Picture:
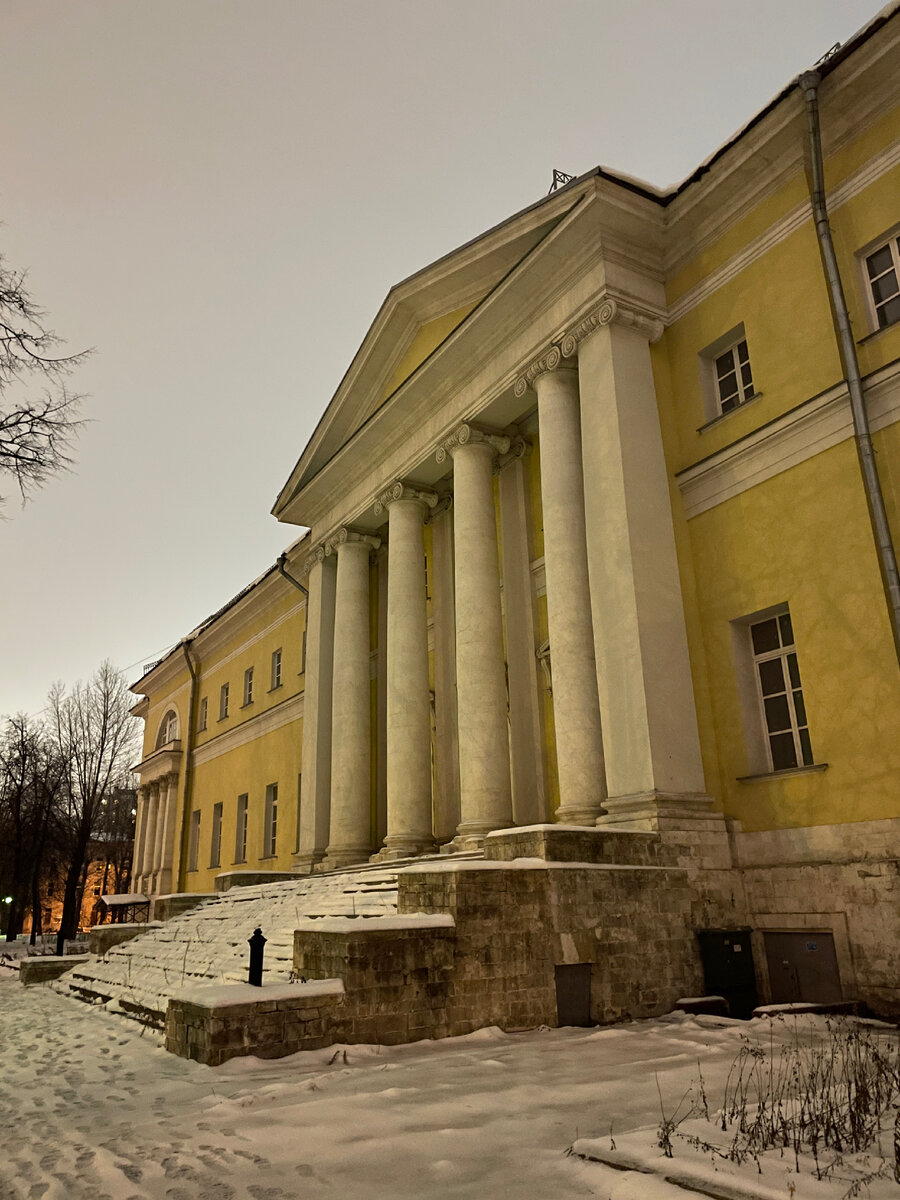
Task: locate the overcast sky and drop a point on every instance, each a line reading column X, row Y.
column 218, row 194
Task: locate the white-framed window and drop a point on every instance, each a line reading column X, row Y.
column 248, row 686
column 725, row 374
column 202, row 715
column 882, row 273
column 240, row 837
column 780, row 693
column 771, row 694
column 168, row 729
column 223, row 701
column 194, row 841
column 270, row 835
column 215, row 847
column 276, row 669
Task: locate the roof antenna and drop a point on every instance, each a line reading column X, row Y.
column 829, row 53
column 560, row 179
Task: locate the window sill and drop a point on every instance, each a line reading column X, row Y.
column 221, row 719
column 724, row 415
column 875, row 333
column 276, row 688
column 215, row 866
column 239, row 862
column 266, row 857
column 782, row 774
column 248, row 704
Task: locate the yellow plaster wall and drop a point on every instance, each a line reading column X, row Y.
column 272, row 758
column 426, row 340
column 803, row 538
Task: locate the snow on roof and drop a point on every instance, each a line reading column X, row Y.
column 373, row 924
column 126, row 898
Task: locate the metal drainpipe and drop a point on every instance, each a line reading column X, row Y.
column 282, row 559
column 188, row 747
column 809, row 83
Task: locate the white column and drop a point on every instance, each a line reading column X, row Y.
column 646, row 692
column 150, row 840
column 164, row 881
column 526, row 725
column 315, row 782
column 576, row 705
column 161, row 818
column 446, row 749
column 351, row 725
column 484, row 777
column 140, row 835
column 409, row 814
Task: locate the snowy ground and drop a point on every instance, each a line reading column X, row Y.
column 91, row 1108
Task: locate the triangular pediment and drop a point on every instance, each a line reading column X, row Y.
column 416, row 319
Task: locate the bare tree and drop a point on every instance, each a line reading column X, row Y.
column 39, row 422
column 30, row 780
column 97, row 739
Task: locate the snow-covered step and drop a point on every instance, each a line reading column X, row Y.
column 208, row 944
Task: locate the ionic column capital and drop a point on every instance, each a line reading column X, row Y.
column 613, row 312
column 399, row 490
column 444, row 504
column 345, row 536
column 466, row 435
column 550, row 360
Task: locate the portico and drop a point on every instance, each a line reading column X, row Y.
column 157, row 814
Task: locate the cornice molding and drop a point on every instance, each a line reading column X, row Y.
column 256, row 727
column 159, row 765
column 778, row 231
column 399, row 490
column 813, row 426
column 613, row 311
column 467, row 434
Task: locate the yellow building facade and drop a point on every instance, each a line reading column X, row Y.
column 588, row 543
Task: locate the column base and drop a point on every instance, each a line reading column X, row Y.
column 586, row 815
column 687, row 821
column 396, row 848
column 344, row 856
column 306, row 864
column 655, row 811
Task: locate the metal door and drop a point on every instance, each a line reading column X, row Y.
column 802, row 967
column 573, row 994
column 727, row 958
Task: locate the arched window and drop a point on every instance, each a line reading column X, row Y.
column 168, row 730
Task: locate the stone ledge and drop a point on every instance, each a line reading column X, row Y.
column 103, row 937
column 47, row 967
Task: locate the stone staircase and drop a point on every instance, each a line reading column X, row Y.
column 208, row 944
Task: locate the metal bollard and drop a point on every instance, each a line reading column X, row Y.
column 256, row 943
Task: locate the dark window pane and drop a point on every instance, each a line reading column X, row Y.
column 889, row 313
column 885, row 287
column 728, row 387
column 793, row 670
column 765, row 636
column 746, row 377
column 787, row 631
column 784, row 754
column 771, row 676
column 879, row 261
column 778, row 714
column 724, row 363
column 743, row 356
column 806, row 747
column 799, row 708
column 729, row 404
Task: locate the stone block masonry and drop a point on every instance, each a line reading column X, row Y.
column 213, row 1024
column 47, row 967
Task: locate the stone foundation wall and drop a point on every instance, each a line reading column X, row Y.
column 211, row 1026
column 47, row 967
column 103, row 937
column 397, row 980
